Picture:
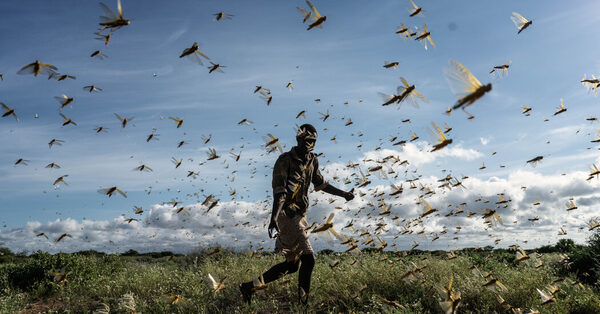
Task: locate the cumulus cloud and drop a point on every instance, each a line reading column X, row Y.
column 419, row 153
column 241, row 225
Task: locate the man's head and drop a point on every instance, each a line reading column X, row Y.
column 306, row 137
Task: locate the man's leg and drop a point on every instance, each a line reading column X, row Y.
column 274, row 273
column 280, row 270
column 307, row 264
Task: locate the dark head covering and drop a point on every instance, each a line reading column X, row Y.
column 306, row 131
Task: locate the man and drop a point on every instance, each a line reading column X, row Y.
column 292, row 174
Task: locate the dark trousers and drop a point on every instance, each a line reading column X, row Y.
column 305, row 264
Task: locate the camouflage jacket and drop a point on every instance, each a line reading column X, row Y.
column 292, row 176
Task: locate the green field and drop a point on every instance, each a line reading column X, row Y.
column 148, row 282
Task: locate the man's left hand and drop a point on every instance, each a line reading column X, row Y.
column 349, row 195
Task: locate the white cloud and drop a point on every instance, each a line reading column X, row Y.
column 238, row 224
column 419, row 153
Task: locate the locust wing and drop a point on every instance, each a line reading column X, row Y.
column 461, row 81
column 518, row 19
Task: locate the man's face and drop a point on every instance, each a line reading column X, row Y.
column 307, row 143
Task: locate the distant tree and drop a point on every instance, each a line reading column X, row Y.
column 130, row 252
column 564, row 245
column 91, row 253
column 594, row 242
column 546, row 249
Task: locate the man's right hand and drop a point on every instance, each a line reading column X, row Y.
column 349, row 195
column 273, row 225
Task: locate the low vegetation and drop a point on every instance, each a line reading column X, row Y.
column 403, row 282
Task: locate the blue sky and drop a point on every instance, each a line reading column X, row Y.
column 265, row 43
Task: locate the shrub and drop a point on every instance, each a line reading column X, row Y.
column 4, row 251
column 36, row 273
column 585, row 262
column 30, row 274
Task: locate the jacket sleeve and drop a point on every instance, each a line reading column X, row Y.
column 317, row 178
column 280, row 174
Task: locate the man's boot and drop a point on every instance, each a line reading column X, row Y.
column 246, row 290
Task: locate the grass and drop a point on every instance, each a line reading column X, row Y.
column 121, row 284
